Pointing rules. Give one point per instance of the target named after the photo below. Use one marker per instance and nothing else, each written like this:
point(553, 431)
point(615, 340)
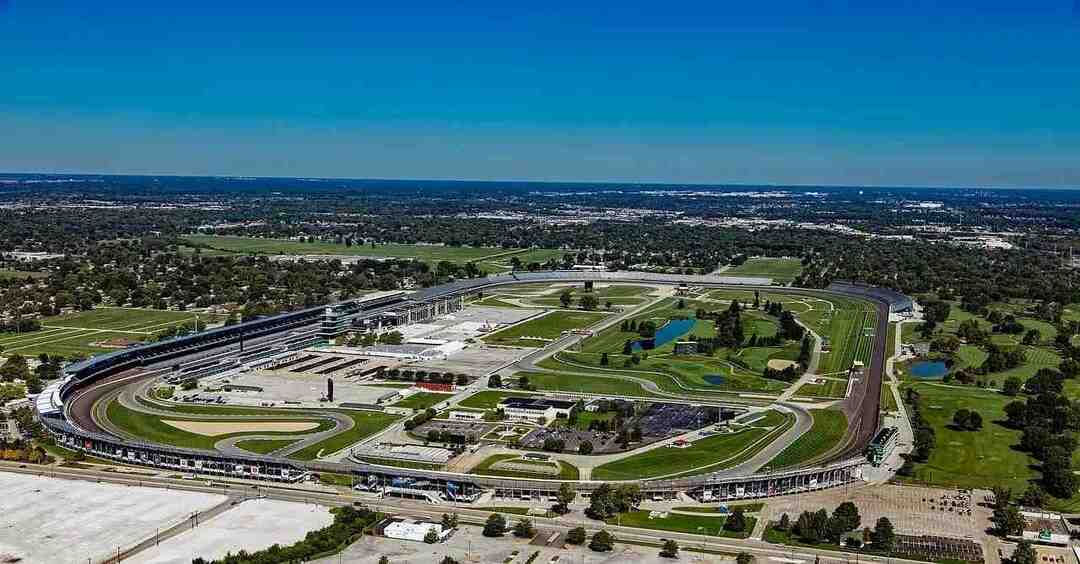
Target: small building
point(1044, 528)
point(9, 429)
point(686, 348)
point(462, 415)
point(540, 411)
point(411, 530)
point(921, 349)
point(882, 445)
point(389, 397)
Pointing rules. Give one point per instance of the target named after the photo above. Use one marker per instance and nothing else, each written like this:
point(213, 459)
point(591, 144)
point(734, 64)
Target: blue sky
point(816, 92)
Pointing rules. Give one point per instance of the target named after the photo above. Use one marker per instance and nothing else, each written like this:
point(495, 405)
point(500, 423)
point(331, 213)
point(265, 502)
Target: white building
point(540, 411)
point(414, 530)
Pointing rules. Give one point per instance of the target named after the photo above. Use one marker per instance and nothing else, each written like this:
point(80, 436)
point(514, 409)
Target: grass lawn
point(715, 452)
point(153, 429)
point(828, 389)
point(704, 375)
point(251, 245)
point(888, 401)
point(779, 269)
point(422, 400)
point(489, 399)
point(494, 301)
point(366, 423)
point(567, 471)
point(971, 459)
point(584, 384)
point(68, 343)
point(7, 274)
point(827, 430)
point(127, 319)
point(264, 446)
point(693, 524)
point(549, 326)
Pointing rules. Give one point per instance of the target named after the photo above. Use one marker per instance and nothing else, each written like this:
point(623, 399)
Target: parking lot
point(912, 510)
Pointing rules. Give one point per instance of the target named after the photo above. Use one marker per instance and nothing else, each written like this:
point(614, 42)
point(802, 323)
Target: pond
point(671, 330)
point(714, 379)
point(929, 370)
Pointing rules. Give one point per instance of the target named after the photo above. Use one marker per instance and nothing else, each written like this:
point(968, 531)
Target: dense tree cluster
point(349, 522)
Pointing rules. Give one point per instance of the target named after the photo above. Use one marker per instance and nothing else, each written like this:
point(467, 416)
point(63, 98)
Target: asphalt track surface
point(861, 407)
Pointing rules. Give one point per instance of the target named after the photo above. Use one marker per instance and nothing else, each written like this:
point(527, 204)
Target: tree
point(576, 536)
point(1034, 496)
point(1012, 386)
point(585, 447)
point(847, 515)
point(448, 560)
point(602, 541)
point(1024, 553)
point(670, 549)
point(604, 359)
point(736, 522)
point(883, 536)
point(431, 537)
point(384, 560)
point(524, 529)
point(744, 558)
point(565, 298)
point(495, 526)
point(494, 381)
point(563, 498)
point(589, 302)
point(785, 523)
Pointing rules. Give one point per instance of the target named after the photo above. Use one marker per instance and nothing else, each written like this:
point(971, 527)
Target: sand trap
point(780, 364)
point(215, 428)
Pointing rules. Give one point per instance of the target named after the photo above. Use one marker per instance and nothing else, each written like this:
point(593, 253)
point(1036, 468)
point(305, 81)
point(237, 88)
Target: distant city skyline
point(975, 94)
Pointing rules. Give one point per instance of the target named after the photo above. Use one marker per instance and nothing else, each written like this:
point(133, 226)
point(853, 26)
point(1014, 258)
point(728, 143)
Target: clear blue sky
point(983, 92)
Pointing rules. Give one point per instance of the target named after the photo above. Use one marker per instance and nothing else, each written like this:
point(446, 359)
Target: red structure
point(435, 387)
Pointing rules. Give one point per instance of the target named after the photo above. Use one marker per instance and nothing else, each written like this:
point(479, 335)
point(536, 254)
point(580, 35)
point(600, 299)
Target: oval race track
point(67, 408)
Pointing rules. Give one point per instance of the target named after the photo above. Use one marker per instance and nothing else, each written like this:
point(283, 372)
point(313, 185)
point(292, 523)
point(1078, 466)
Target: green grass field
point(888, 401)
point(422, 400)
point(675, 522)
point(567, 471)
point(366, 423)
point(549, 326)
point(708, 454)
point(829, 427)
point(584, 384)
point(779, 269)
point(966, 459)
point(264, 446)
point(430, 253)
point(667, 372)
point(153, 429)
point(828, 389)
point(78, 334)
point(6, 274)
point(488, 399)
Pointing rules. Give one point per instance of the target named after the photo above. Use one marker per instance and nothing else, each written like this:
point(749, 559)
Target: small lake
point(714, 379)
point(671, 330)
point(929, 369)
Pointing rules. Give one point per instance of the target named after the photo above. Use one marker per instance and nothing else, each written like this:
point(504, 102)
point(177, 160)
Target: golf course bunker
point(780, 364)
point(215, 428)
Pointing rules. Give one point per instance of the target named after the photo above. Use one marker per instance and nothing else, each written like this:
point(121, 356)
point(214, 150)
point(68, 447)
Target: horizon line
point(523, 181)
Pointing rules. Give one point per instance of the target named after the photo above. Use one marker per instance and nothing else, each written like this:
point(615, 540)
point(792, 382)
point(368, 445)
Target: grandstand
point(897, 302)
